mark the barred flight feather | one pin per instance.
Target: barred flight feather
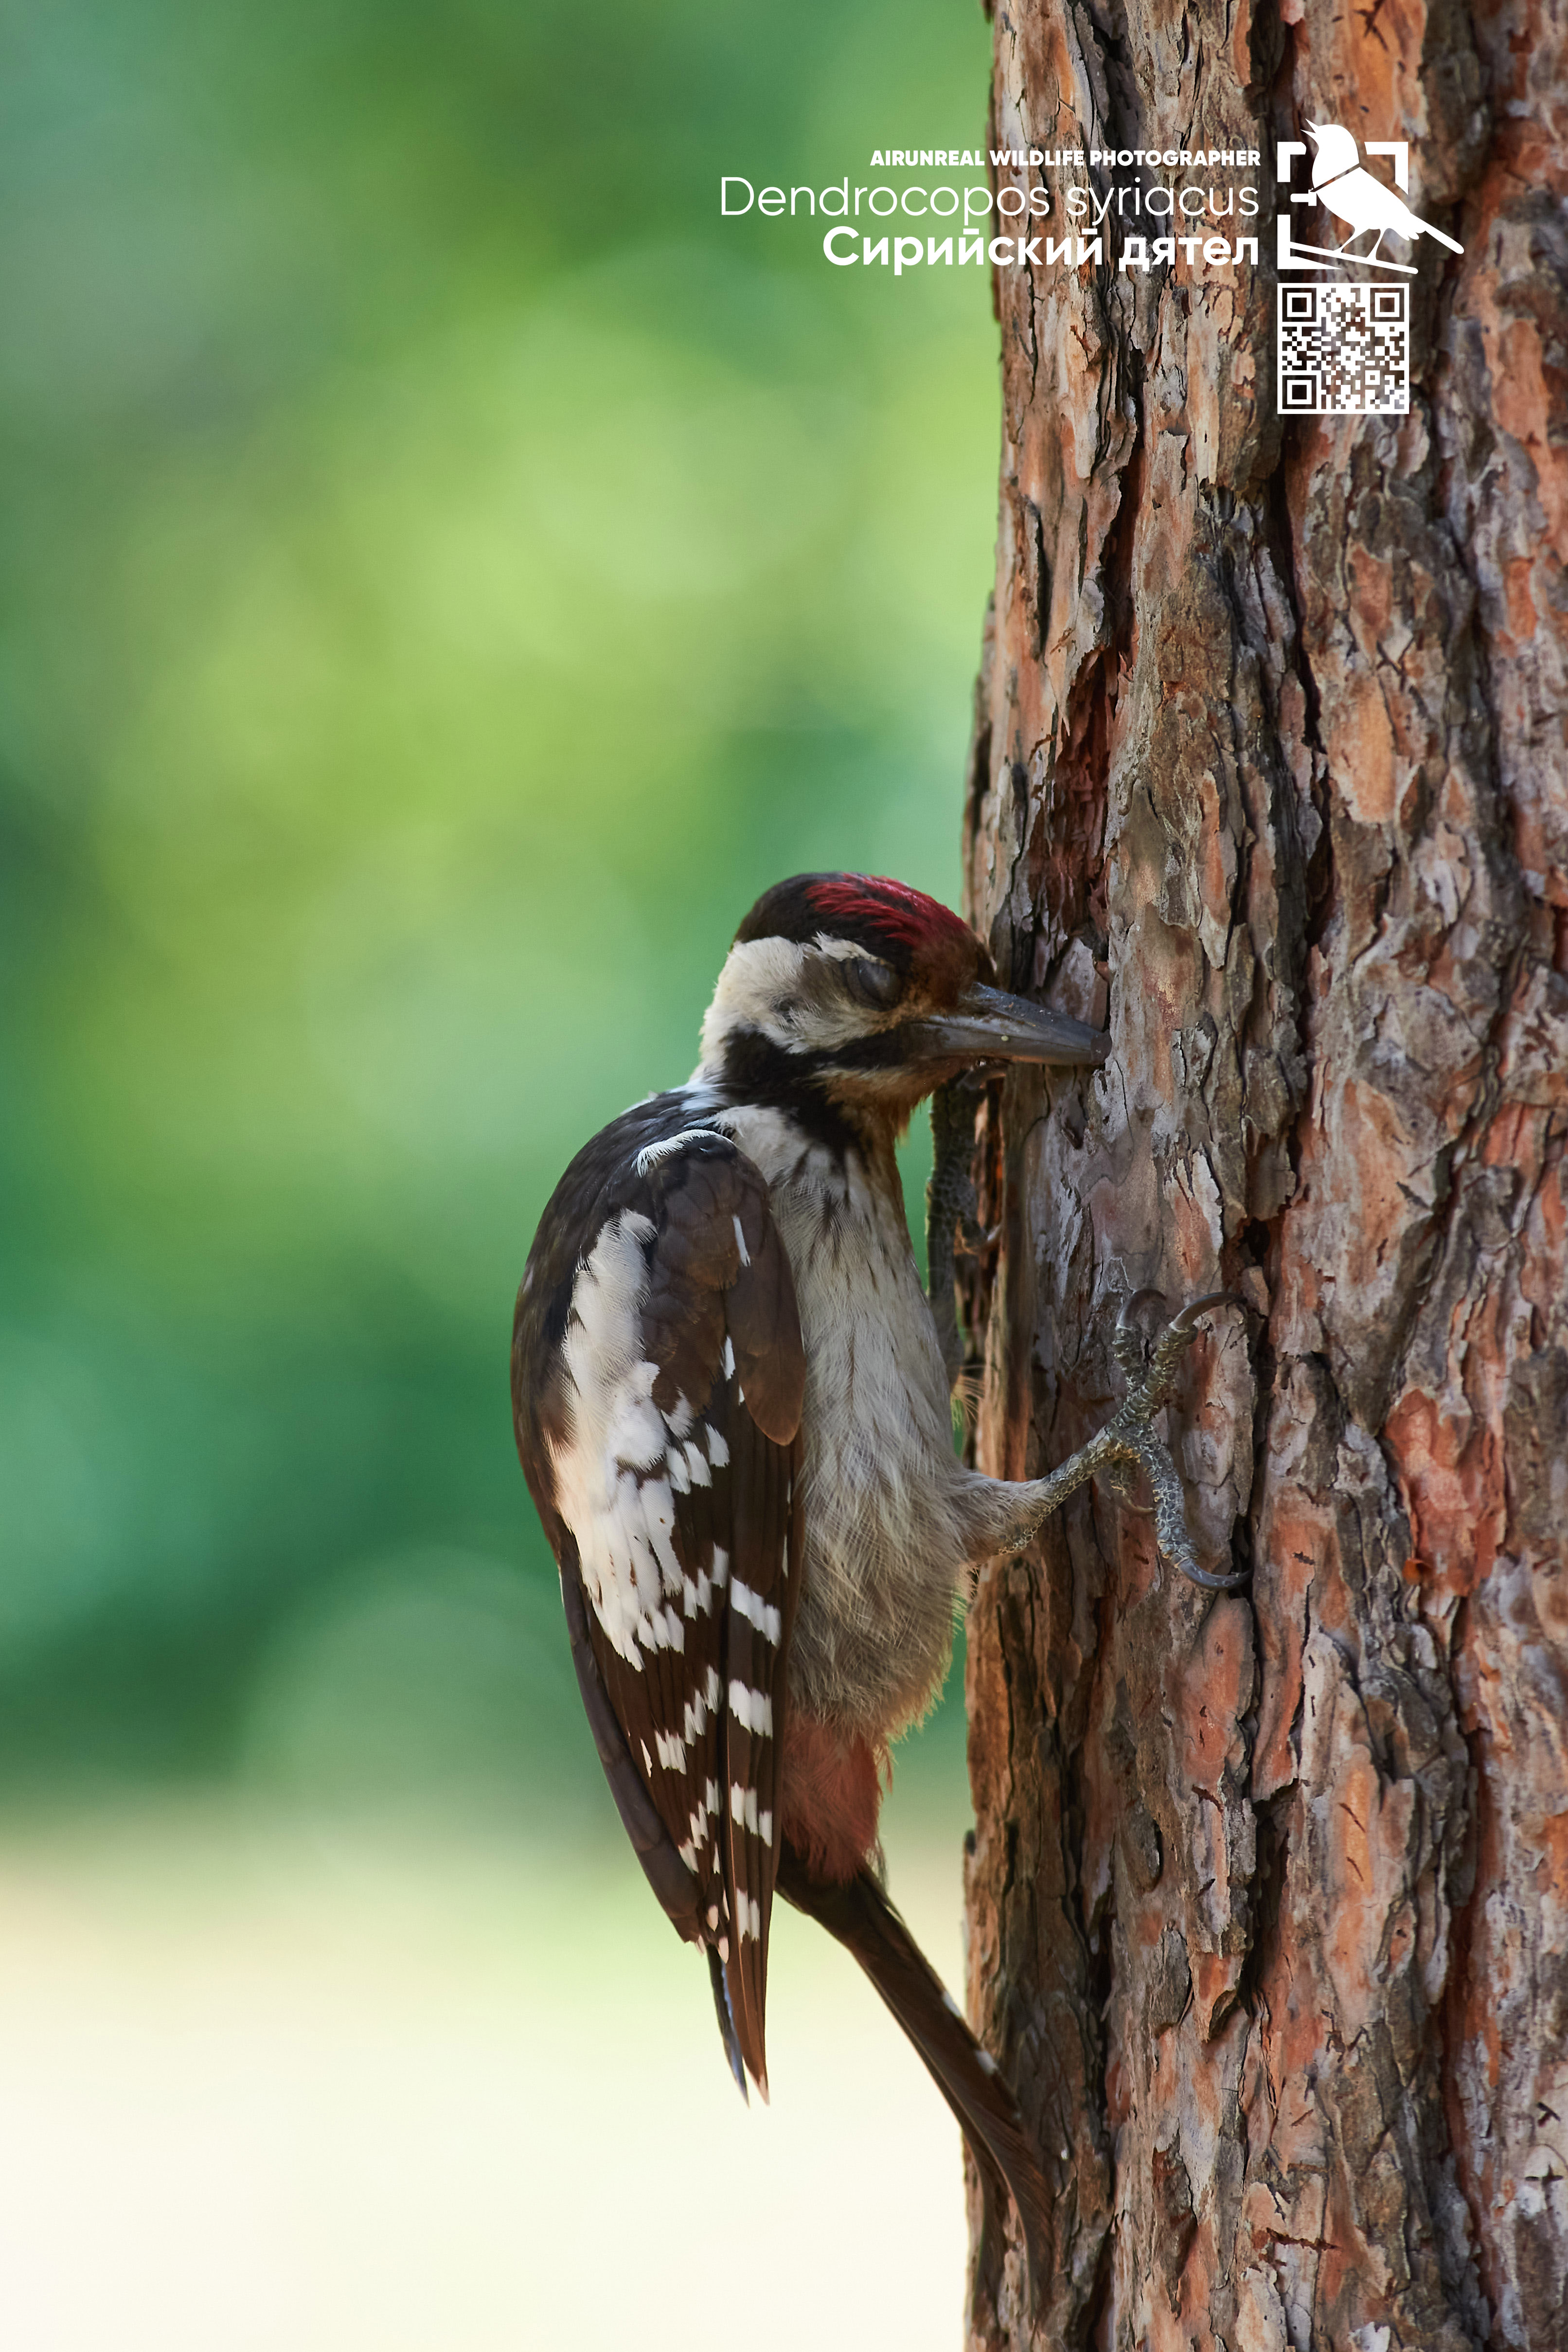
(678, 1488)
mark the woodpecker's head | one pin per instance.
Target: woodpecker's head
(867, 994)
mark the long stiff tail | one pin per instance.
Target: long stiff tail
(860, 1916)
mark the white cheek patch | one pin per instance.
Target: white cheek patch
(786, 993)
(757, 977)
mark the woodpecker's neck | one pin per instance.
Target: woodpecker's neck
(763, 1088)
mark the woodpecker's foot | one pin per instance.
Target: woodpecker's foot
(1128, 1443)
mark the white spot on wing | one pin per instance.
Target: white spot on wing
(651, 1153)
(740, 1242)
(759, 1613)
(697, 1463)
(661, 1629)
(695, 1720)
(752, 1709)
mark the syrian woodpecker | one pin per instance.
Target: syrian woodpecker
(735, 1419)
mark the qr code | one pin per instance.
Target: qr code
(1344, 349)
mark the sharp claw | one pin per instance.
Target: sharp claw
(1127, 1441)
(1211, 1584)
(1144, 1400)
(1140, 1298)
(1195, 1307)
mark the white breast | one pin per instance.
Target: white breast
(885, 1532)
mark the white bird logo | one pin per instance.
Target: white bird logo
(1342, 182)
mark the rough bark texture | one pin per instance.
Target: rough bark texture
(1268, 1903)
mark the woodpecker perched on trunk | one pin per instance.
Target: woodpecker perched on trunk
(735, 1419)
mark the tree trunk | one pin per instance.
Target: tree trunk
(1268, 1901)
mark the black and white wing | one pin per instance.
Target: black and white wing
(657, 1379)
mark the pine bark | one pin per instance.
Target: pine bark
(1267, 1897)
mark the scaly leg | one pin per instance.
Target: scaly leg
(1128, 1439)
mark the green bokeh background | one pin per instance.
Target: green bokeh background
(446, 573)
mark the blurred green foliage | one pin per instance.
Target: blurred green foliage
(446, 573)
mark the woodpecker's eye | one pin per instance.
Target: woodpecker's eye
(871, 983)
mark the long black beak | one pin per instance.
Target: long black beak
(988, 1025)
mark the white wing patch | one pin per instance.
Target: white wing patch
(624, 1462)
(651, 1153)
(762, 1613)
(752, 1709)
(743, 1809)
